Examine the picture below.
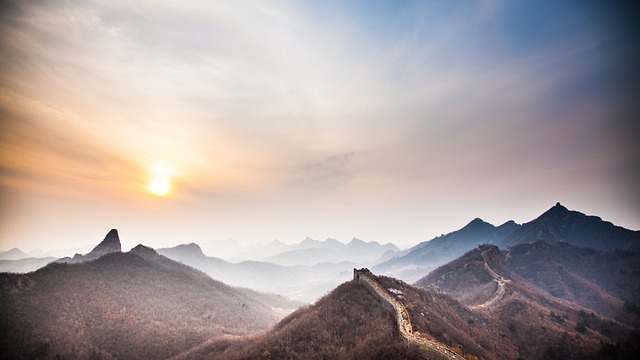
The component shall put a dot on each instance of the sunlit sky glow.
(383, 120)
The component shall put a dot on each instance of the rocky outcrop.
(110, 244)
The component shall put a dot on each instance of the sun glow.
(160, 185)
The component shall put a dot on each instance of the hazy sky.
(383, 120)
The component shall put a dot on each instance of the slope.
(509, 318)
(607, 282)
(348, 323)
(123, 305)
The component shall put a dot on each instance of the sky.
(389, 121)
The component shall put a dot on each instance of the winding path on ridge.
(498, 279)
(430, 348)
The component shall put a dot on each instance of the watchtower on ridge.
(359, 272)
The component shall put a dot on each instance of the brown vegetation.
(136, 305)
(349, 323)
(603, 281)
(524, 323)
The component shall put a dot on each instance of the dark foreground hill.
(135, 305)
(348, 323)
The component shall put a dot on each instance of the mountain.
(560, 224)
(61, 253)
(510, 318)
(261, 252)
(556, 225)
(607, 282)
(110, 244)
(356, 251)
(305, 283)
(348, 323)
(427, 255)
(132, 305)
(358, 321)
(13, 254)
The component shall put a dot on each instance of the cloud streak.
(343, 110)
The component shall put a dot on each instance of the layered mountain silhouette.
(356, 251)
(305, 283)
(132, 305)
(13, 254)
(557, 225)
(427, 255)
(25, 265)
(560, 224)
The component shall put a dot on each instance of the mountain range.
(304, 283)
(556, 225)
(562, 286)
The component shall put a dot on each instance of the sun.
(160, 185)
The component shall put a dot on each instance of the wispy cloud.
(342, 102)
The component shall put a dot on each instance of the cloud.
(332, 104)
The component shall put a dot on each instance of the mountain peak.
(556, 211)
(144, 252)
(559, 224)
(13, 254)
(477, 224)
(192, 248)
(110, 244)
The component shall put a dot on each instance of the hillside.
(352, 322)
(508, 318)
(124, 305)
(606, 281)
(348, 323)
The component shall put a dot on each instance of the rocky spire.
(110, 244)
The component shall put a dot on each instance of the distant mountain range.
(557, 225)
(307, 252)
(305, 283)
(356, 251)
(13, 254)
